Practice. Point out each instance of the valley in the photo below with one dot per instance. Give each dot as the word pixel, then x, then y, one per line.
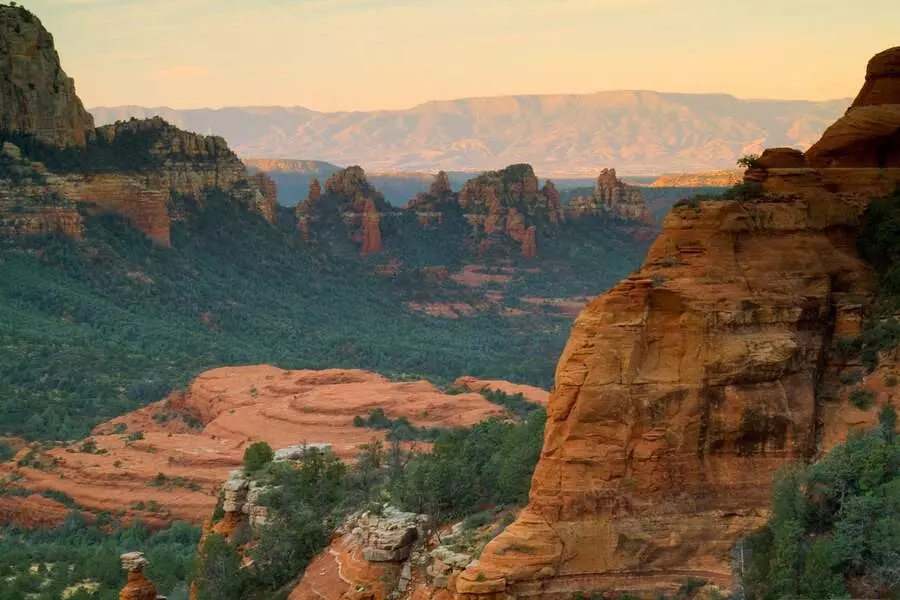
pixel 454 374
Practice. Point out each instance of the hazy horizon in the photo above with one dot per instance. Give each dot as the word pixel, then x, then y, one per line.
pixel 363 55
pixel 847 98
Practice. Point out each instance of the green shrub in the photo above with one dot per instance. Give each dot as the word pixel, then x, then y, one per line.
pixel 6 452
pixel 749 161
pixel 257 455
pixel 836 520
pixel 862 398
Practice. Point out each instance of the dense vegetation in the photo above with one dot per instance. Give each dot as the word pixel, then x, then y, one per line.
pixel 879 244
pixel 41 564
pixel 129 151
pixel 468 469
pixel 835 526
pixel 139 319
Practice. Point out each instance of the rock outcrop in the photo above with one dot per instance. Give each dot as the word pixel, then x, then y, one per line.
pixel 393 554
pixel 508 203
pixel 868 135
pixel 683 389
pixel 350 196
pixel 138 587
pixel 611 197
pixel 36 95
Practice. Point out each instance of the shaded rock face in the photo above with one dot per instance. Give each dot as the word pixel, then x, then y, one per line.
pixel 868 135
pixel 36 96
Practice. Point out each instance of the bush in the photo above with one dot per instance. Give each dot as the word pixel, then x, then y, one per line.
pixel 835 521
pixel 257 455
pixel 862 398
pixel 6 452
pixel 749 161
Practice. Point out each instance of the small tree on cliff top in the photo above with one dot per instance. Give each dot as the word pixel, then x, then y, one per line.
pixel 748 161
pixel 257 455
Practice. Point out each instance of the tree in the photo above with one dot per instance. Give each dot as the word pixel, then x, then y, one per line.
pixel 748 161
pixel 219 575
pixel 257 455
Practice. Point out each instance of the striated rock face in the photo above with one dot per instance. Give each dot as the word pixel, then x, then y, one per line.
pixel 145 206
pixel 36 96
pixel 32 512
pixel 269 190
pixel 868 135
pixel 240 502
pixel 723 178
pixel 612 197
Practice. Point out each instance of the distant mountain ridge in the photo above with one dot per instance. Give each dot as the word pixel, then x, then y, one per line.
pixel 638 132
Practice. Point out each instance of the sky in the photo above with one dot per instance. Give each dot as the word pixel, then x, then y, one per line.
pixel 335 55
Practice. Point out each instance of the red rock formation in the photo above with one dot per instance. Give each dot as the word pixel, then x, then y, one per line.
pixel 882 85
pixel 529 392
pixel 126 195
pixel 36 96
pixel 683 389
pixel 138 587
pixel 31 512
pixel 440 187
pixel 233 407
pixel 782 158
pixel 41 220
pixel 611 197
pixel 529 243
pixel 869 134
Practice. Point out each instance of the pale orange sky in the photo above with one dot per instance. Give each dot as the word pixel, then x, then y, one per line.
pixel 369 54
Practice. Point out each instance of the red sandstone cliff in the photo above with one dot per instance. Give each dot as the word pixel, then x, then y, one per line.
pixel 684 388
